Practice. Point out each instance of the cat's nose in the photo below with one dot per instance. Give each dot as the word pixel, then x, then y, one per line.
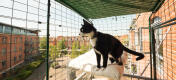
pixel 79 33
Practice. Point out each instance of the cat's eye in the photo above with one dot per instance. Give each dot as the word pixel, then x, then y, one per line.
pixel 82 30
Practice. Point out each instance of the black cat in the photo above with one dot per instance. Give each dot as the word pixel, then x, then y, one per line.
pixel 106 45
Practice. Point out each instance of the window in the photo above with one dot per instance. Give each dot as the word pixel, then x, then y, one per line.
pixel 22 32
pixel 15 59
pixel 14 49
pixel 20 49
pixel 159 37
pixel 136 38
pixel 4 40
pixel 21 39
pixel 20 57
pixel 15 40
pixel 4 51
pixel 159 40
pixel 3 63
pixel 7 29
pixel 1 28
pixel 134 68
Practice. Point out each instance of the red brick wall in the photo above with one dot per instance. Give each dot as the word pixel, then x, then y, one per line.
pixel 20 49
pixel 141 21
pixel 16 53
pixel 166 12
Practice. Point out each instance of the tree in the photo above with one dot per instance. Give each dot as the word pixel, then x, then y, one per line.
pixel 43 46
pixel 84 48
pixel 125 41
pixel 61 47
pixel 43 43
pixel 78 49
pixel 61 44
pixel 75 49
pixel 54 53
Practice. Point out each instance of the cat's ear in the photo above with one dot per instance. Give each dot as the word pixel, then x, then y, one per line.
pixel 85 22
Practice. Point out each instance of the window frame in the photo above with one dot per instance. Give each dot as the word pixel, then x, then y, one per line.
pixel 3 63
pixel 4 52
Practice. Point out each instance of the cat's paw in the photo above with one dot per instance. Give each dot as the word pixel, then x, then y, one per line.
pixel 102 69
pixel 97 69
pixel 120 63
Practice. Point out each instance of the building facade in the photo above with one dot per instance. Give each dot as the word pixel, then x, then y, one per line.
pixel 16 45
pixel 139 41
pixel 165 41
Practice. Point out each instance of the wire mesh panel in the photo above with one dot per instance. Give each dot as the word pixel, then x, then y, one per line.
pixel 65 43
pixel 19 34
pixel 23 30
pixel 133 32
pixel 139 41
pixel 23 34
pixel 26 28
pixel 163 22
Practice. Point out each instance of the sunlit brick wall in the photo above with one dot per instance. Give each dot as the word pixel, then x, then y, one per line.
pixel 167 12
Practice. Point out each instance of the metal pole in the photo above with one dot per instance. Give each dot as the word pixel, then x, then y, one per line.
pixel 11 37
pixel 47 47
pixel 150 48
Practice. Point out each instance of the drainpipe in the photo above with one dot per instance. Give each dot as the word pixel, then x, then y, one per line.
pixel 152 48
pixel 152 40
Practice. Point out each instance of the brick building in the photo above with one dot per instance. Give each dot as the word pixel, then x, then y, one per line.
pixel 16 45
pixel 139 41
pixel 69 40
pixel 165 41
pixel 166 59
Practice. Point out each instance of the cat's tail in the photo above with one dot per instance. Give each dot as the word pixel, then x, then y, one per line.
pixel 140 55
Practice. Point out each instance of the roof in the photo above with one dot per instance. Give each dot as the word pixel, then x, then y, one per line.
pixel 93 9
pixel 32 30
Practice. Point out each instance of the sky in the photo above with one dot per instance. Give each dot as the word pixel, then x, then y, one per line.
pixel 28 16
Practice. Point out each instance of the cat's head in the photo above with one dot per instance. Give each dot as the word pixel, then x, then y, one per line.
pixel 87 29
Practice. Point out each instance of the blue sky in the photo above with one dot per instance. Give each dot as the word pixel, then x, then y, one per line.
pixel 60 15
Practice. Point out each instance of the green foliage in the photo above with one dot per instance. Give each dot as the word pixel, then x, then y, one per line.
pixel 54 53
pixel 24 72
pixel 20 76
pixel 77 49
pixel 54 64
pixel 84 49
pixel 61 44
pixel 54 50
pixel 133 68
pixel 125 41
pixel 61 47
pixel 43 43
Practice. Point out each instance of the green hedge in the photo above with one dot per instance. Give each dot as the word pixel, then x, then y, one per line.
pixel 24 72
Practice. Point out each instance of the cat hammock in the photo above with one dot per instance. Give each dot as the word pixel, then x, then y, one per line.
pixel 87 63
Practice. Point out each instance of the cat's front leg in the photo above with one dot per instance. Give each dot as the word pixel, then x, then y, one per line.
pixel 105 61
pixel 98 60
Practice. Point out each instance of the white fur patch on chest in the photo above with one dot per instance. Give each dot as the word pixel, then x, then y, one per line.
pixel 93 41
pixel 110 56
